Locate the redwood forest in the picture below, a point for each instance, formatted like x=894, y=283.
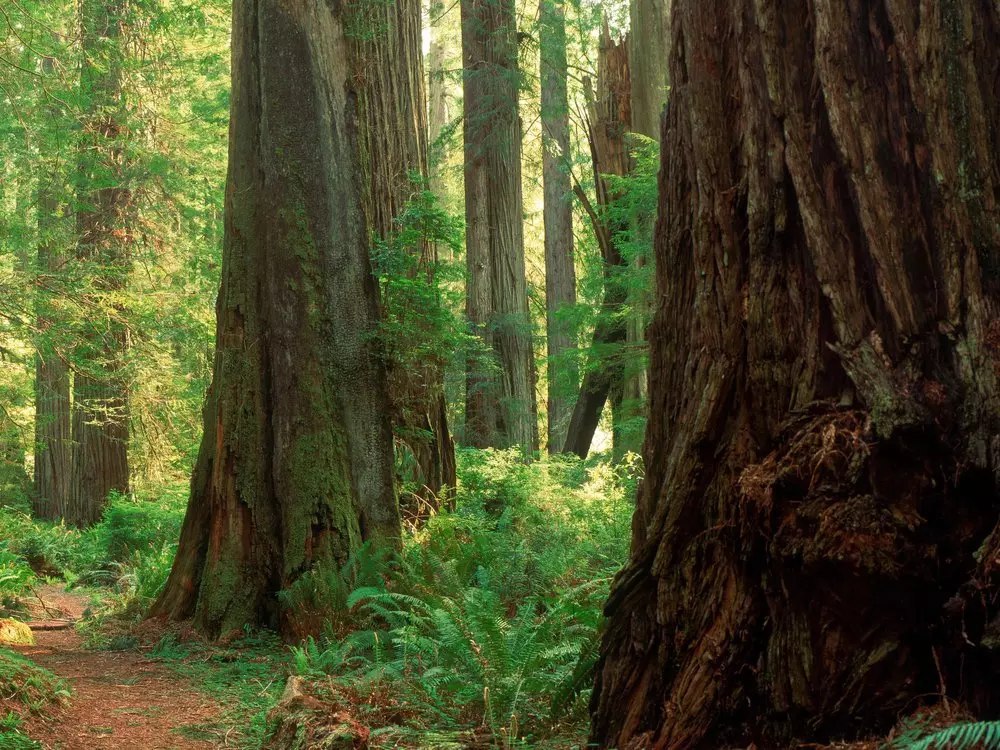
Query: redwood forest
x=447, y=374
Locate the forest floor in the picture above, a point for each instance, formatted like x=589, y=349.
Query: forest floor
x=121, y=699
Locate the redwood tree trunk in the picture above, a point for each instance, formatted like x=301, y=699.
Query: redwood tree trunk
x=648, y=62
x=437, y=109
x=560, y=275
x=500, y=396
x=52, y=387
x=822, y=452
x=295, y=467
x=610, y=119
x=104, y=219
x=394, y=136
x=648, y=58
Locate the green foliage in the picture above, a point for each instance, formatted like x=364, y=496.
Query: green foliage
x=964, y=736
x=130, y=551
x=319, y=597
x=130, y=528
x=27, y=684
x=11, y=737
x=16, y=576
x=491, y=615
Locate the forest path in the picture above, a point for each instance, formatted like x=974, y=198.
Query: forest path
x=121, y=699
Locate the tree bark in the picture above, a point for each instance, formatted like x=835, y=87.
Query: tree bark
x=394, y=137
x=808, y=553
x=53, y=423
x=560, y=274
x=500, y=400
x=104, y=217
x=610, y=118
x=295, y=467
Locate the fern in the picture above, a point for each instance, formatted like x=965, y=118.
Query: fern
x=979, y=734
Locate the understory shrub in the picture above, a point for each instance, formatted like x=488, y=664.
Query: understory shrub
x=489, y=618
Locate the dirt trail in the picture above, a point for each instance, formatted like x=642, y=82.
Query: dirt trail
x=120, y=698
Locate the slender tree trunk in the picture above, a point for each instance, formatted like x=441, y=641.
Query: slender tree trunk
x=560, y=275
x=438, y=93
x=295, y=467
x=104, y=214
x=53, y=423
x=648, y=63
x=394, y=135
x=815, y=542
x=649, y=46
x=610, y=118
x=500, y=401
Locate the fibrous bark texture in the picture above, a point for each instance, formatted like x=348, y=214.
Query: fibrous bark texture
x=823, y=449
x=295, y=467
x=609, y=120
x=500, y=396
x=105, y=216
x=394, y=135
x=560, y=274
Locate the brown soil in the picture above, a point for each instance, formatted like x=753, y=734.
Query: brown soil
x=121, y=699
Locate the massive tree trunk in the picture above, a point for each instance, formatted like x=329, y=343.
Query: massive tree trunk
x=609, y=120
x=52, y=388
x=295, y=467
x=104, y=218
x=500, y=398
x=560, y=275
x=394, y=136
x=823, y=450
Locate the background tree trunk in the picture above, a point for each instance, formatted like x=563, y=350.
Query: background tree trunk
x=437, y=108
x=649, y=24
x=610, y=119
x=53, y=423
x=648, y=58
x=500, y=401
x=104, y=217
x=560, y=275
x=822, y=451
x=295, y=467
x=394, y=134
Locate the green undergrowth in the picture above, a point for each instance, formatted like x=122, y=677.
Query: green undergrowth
x=482, y=631
x=29, y=686
x=486, y=626
x=24, y=688
x=126, y=556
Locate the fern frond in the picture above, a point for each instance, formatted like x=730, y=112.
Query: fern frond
x=977, y=734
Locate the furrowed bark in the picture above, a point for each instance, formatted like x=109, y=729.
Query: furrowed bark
x=295, y=467
x=815, y=539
